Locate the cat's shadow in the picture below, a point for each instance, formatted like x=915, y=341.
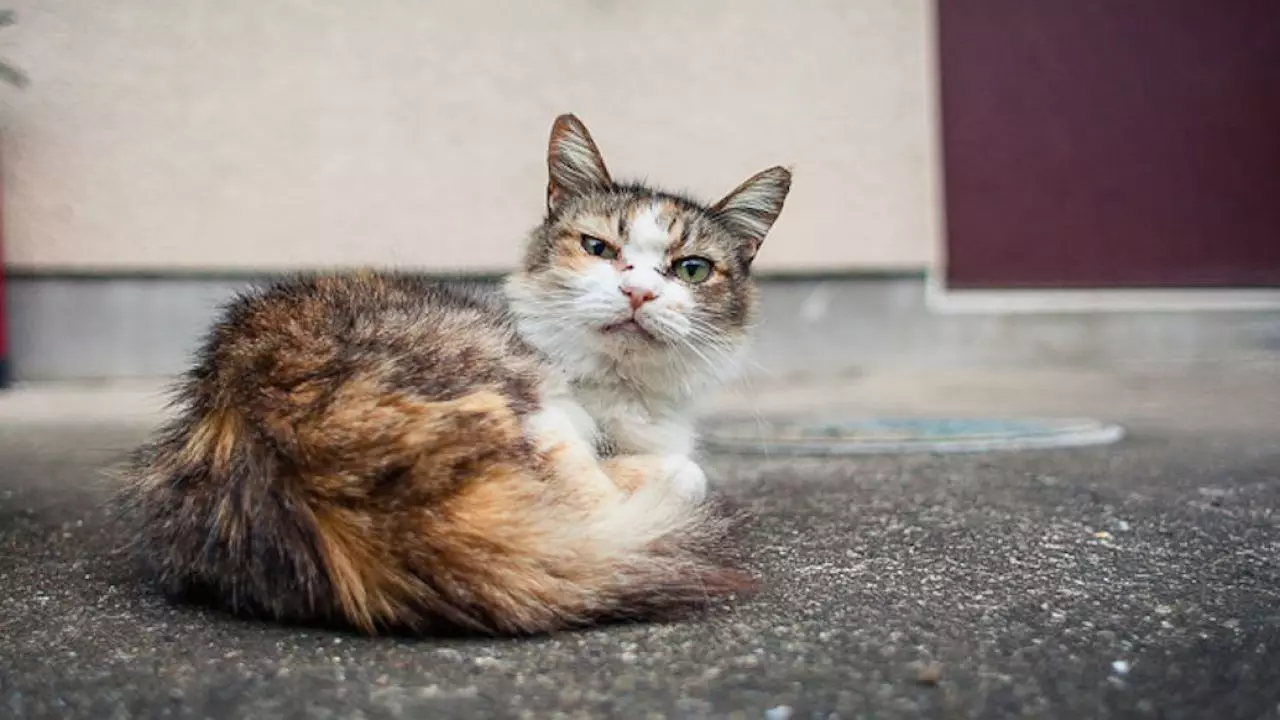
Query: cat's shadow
x=204, y=603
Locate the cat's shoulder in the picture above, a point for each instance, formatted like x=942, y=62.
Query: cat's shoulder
x=366, y=291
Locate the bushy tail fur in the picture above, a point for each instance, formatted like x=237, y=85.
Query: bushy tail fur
x=392, y=512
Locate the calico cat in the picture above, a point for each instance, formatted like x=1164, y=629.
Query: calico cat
x=393, y=454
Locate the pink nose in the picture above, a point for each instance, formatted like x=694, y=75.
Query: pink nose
x=637, y=296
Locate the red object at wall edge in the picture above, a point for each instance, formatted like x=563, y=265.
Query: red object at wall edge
x=5, y=377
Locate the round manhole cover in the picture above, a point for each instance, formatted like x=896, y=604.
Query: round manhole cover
x=902, y=435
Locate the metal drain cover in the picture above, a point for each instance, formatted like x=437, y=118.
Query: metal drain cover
x=780, y=436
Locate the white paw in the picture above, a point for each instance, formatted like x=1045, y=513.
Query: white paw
x=685, y=478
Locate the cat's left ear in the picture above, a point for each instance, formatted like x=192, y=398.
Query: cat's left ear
x=750, y=210
x=574, y=164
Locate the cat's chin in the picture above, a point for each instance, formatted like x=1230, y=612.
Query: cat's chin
x=628, y=329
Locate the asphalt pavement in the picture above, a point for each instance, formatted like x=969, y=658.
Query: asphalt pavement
x=1136, y=580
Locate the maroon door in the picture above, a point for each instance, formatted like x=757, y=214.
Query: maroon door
x=1111, y=143
x=5, y=376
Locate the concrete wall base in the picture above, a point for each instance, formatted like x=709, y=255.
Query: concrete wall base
x=86, y=328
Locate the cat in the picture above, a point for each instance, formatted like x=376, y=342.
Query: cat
x=393, y=454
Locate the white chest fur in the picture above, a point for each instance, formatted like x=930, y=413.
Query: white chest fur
x=635, y=426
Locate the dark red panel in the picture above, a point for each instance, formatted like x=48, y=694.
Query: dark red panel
x=4, y=338
x=1111, y=143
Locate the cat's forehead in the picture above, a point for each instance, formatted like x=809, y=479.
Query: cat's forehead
x=649, y=228
x=652, y=223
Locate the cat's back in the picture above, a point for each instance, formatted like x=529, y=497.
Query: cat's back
x=387, y=332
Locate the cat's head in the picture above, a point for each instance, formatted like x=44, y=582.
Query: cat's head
x=635, y=276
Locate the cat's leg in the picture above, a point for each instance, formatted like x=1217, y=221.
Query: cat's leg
x=670, y=436
x=679, y=472
x=564, y=433
x=656, y=451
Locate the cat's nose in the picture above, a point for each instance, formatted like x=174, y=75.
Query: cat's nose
x=637, y=296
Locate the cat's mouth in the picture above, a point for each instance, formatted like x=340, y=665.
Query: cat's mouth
x=630, y=326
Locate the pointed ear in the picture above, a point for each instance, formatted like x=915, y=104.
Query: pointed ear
x=750, y=210
x=573, y=161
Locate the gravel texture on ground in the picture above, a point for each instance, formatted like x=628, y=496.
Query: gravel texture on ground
x=1138, y=580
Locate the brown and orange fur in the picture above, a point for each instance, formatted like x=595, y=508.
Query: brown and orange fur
x=388, y=453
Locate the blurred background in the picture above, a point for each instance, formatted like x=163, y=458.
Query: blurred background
x=1050, y=226
x=976, y=182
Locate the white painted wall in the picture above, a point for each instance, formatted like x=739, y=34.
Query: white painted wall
x=273, y=134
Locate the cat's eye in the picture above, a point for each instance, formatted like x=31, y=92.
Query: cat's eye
x=692, y=269
x=599, y=248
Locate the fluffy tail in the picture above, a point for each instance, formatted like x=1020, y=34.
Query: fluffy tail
x=403, y=514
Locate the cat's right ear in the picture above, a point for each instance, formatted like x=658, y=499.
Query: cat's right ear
x=574, y=163
x=751, y=209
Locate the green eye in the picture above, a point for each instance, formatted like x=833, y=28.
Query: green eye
x=693, y=270
x=599, y=248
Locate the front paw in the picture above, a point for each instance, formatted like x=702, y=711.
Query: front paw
x=684, y=477
x=672, y=474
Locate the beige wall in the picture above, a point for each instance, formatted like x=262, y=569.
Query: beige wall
x=237, y=134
